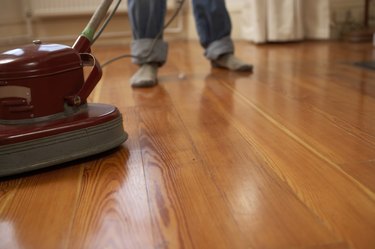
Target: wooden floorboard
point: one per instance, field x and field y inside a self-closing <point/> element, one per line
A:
<point x="279" y="159"/>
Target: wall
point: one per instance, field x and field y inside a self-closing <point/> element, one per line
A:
<point x="345" y="14"/>
<point x="64" y="29"/>
<point x="349" y="14"/>
<point x="11" y="19"/>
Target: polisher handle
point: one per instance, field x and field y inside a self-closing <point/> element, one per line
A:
<point x="90" y="83"/>
<point x="87" y="37"/>
<point x="96" y="19"/>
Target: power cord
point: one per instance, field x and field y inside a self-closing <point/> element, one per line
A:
<point x="178" y="9"/>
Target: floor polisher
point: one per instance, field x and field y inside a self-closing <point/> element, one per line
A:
<point x="44" y="115"/>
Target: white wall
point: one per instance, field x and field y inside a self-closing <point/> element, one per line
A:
<point x="343" y="14"/>
<point x="10" y="11"/>
<point x="12" y="24"/>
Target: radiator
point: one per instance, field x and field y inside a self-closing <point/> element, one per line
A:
<point x="45" y="8"/>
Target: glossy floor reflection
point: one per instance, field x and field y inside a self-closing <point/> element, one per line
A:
<point x="281" y="158"/>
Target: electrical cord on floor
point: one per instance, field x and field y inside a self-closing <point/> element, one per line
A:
<point x="178" y="9"/>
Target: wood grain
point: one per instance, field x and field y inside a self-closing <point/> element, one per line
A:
<point x="281" y="158"/>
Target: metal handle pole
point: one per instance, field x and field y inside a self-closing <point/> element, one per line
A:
<point x="96" y="19"/>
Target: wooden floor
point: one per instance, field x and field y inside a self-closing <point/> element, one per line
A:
<point x="283" y="158"/>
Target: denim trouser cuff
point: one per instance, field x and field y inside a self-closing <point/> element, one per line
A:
<point x="219" y="47"/>
<point x="141" y="48"/>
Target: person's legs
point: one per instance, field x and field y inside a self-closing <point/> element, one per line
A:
<point x="213" y="25"/>
<point x="147" y="21"/>
<point x="214" y="28"/>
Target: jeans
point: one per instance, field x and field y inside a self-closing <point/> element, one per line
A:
<point x="147" y="20"/>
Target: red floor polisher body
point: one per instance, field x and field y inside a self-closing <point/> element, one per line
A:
<point x="44" y="116"/>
